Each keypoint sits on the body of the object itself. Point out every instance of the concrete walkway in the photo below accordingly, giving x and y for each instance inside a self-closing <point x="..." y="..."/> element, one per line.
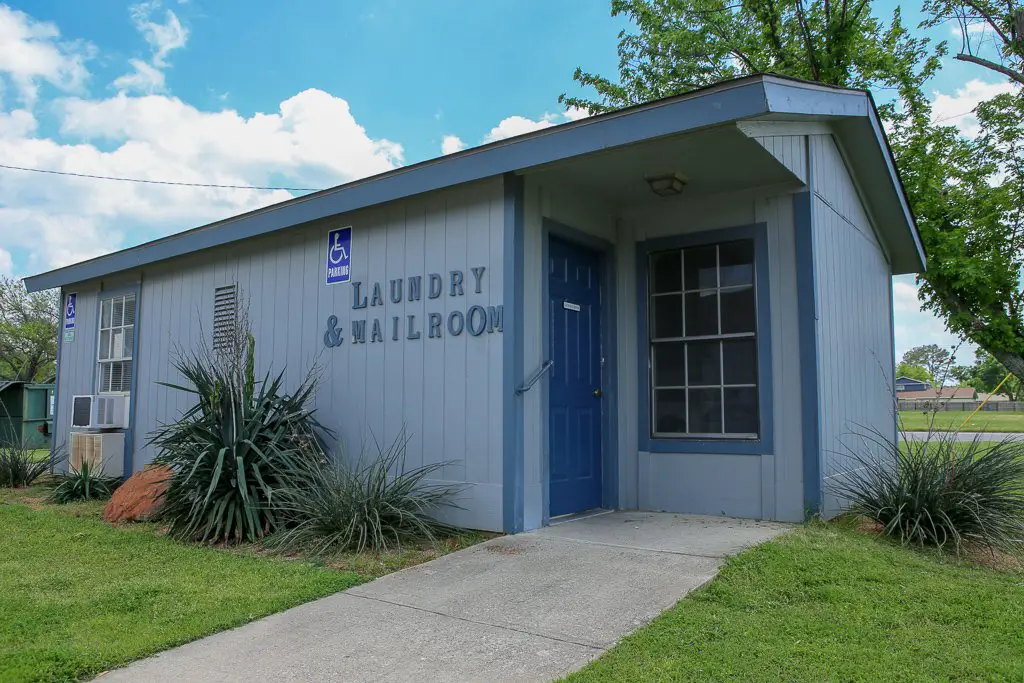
<point x="530" y="607"/>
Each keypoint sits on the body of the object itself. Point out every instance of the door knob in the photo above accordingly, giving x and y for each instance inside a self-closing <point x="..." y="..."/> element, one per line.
<point x="598" y="393"/>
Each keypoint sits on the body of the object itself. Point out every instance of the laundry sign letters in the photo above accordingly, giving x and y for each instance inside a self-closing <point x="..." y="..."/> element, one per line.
<point x="394" y="324"/>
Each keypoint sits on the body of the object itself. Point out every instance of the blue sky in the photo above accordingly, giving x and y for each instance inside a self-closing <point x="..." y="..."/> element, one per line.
<point x="261" y="93"/>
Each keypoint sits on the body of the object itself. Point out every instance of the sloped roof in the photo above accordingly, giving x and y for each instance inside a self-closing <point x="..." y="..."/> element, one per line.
<point x="961" y="393"/>
<point x="752" y="97"/>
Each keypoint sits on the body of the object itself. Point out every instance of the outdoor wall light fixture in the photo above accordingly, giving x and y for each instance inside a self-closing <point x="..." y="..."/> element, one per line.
<point x="666" y="184"/>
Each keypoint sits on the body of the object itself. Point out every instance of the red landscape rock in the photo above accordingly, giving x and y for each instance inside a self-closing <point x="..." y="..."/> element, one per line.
<point x="139" y="497"/>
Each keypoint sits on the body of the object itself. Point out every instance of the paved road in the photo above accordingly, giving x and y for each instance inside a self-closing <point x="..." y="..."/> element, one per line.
<point x="530" y="607"/>
<point x="969" y="436"/>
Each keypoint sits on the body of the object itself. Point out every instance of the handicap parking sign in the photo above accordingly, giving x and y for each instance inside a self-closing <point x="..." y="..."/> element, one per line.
<point x="339" y="255"/>
<point x="70" y="304"/>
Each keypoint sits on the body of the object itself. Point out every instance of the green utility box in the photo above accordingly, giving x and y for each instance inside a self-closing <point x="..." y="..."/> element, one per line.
<point x="26" y="413"/>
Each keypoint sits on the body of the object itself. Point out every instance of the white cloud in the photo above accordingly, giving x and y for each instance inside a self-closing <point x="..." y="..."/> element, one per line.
<point x="575" y="114"/>
<point x="312" y="140"/>
<point x="162" y="38"/>
<point x="148" y="78"/>
<point x="144" y="79"/>
<point x="515" y="125"/>
<point x="451" y="144"/>
<point x="18" y="123"/>
<point x="32" y="52"/>
<point x="6" y="263"/>
<point x="915" y="327"/>
<point x="957" y="109"/>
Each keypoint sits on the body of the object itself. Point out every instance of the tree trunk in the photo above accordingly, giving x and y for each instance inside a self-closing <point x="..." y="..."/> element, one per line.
<point x="1012" y="362"/>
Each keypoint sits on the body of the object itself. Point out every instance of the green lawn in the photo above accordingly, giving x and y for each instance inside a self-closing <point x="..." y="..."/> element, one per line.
<point x="918" y="421"/>
<point x="825" y="603"/>
<point x="78" y="597"/>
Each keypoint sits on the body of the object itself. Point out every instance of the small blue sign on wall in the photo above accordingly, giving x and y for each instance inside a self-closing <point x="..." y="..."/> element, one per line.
<point x="70" y="310"/>
<point x="339" y="255"/>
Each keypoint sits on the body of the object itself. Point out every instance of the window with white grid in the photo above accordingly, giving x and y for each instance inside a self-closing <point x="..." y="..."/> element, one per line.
<point x="703" y="341"/>
<point x="117" y="339"/>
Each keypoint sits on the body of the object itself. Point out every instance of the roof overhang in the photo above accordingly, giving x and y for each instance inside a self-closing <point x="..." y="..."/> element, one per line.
<point x="852" y="111"/>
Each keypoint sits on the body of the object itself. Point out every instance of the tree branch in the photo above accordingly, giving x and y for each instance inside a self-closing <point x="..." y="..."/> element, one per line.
<point x="1005" y="70"/>
<point x="991" y="22"/>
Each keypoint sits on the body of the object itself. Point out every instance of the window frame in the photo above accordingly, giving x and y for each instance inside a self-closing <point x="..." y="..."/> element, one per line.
<point x="649" y="441"/>
<point x="111" y="296"/>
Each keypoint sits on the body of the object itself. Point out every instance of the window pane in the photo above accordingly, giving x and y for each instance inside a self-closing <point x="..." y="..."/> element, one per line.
<point x="104" y="350"/>
<point x="704" y="363"/>
<point x="701" y="267"/>
<point x="129" y="309"/>
<point x="670" y="411"/>
<point x="118" y="318"/>
<point x="669" y="364"/>
<point x="126" y="376"/>
<point x="705" y="411"/>
<point x="104" y="377"/>
<point x="737" y="310"/>
<point x="129" y="342"/>
<point x="668" y="316"/>
<point x="701" y="314"/>
<point x="741" y="410"/>
<point x="105" y="313"/>
<point x="736" y="263"/>
<point x="117" y="348"/>
<point x="739" y="361"/>
<point x="667" y="268"/>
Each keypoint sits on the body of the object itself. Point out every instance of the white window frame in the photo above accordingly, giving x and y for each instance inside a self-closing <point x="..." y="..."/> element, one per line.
<point x="119" y="341"/>
<point x="721" y="386"/>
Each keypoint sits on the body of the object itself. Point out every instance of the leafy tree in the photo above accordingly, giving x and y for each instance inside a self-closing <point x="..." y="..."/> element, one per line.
<point x="912" y="371"/>
<point x="932" y="357"/>
<point x="985" y="27"/>
<point x="681" y="45"/>
<point x="986" y="374"/>
<point x="28" y="332"/>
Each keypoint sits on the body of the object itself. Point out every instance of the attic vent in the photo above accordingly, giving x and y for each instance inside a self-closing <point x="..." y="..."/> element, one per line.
<point x="225" y="316"/>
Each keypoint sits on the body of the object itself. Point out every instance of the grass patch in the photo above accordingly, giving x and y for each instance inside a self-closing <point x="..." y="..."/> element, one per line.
<point x="918" y="421"/>
<point x="826" y="602"/>
<point x="79" y="596"/>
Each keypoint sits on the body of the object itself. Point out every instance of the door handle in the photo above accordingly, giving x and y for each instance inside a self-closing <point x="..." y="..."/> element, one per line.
<point x="598" y="393"/>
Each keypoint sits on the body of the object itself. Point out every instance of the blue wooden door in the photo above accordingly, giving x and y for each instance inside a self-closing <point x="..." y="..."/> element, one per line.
<point x="574" y="305"/>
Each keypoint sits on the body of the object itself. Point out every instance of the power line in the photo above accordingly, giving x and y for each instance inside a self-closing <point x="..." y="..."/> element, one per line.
<point x="157" y="182"/>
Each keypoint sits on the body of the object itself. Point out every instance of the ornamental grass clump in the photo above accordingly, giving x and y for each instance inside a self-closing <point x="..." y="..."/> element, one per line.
<point x="235" y="448"/>
<point x="20" y="465"/>
<point x="939" y="491"/>
<point x="83" y="483"/>
<point x="374" y="504"/>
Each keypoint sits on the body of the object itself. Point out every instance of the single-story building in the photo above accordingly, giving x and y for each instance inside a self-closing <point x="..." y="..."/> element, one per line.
<point x="951" y="394"/>
<point x="911" y="384"/>
<point x="683" y="305"/>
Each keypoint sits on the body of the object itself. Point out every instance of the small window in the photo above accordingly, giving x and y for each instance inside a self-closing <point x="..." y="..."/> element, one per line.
<point x="116" y="344"/>
<point x="703" y="342"/>
<point x="225" y="317"/>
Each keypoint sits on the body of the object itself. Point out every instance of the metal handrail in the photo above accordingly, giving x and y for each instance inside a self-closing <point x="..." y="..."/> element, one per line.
<point x="528" y="384"/>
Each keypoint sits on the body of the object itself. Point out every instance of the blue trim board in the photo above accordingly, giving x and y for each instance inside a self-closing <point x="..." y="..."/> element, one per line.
<point x="762" y="264"/>
<point x="513" y="451"/>
<point x="739" y="99"/>
<point x="808" y="335"/>
<point x="609" y="346"/>
<point x="56" y="379"/>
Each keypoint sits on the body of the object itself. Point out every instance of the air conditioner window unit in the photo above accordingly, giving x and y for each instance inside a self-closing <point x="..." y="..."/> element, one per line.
<point x="103" y="452"/>
<point x="99" y="412"/>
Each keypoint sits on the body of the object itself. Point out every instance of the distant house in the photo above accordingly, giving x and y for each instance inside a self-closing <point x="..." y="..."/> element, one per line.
<point x="993" y="398"/>
<point x="952" y="394"/>
<point x="911" y="384"/>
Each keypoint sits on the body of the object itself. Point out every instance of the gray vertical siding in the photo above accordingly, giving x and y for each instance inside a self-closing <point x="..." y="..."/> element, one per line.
<point x="445" y="392"/>
<point x="77" y="358"/>
<point x="854" y="317"/>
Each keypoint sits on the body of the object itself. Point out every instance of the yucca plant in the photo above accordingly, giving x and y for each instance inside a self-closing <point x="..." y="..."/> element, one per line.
<point x="233" y="449"/>
<point x="85" y="483"/>
<point x="373" y="504"/>
<point x="939" y="491"/>
<point x="21" y="466"/>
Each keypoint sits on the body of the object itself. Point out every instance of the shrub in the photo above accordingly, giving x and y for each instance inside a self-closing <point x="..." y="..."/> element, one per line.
<point x="374" y="504"/>
<point x="83" y="484"/>
<point x="940" y="491"/>
<point x="21" y="466"/>
<point x="232" y="450"/>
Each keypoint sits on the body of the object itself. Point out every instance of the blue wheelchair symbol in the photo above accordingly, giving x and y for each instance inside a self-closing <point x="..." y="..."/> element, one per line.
<point x="69" y="311"/>
<point x="339" y="255"/>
